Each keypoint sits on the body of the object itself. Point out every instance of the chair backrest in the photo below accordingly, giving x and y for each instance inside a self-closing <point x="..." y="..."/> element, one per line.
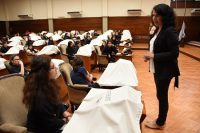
<point x="24" y="57"/>
<point x="63" y="48"/>
<point x="98" y="50"/>
<point x="12" y="109"/>
<point x="8" y="66"/>
<point x="65" y="70"/>
<point x="101" y="59"/>
<point x="76" y="92"/>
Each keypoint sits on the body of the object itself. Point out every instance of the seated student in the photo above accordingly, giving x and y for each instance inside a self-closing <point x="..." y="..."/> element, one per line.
<point x="50" y="41"/>
<point x="71" y="50"/>
<point x="46" y="113"/>
<point x="43" y="36"/>
<point x="115" y="41"/>
<point x="95" y="33"/>
<point x="67" y="36"/>
<point x="80" y="75"/>
<point x="118" y="35"/>
<point x="77" y="45"/>
<point x="87" y="38"/>
<point x="110" y="50"/>
<point x="30" y="50"/>
<point x="16" y="65"/>
<point x="29" y="41"/>
<point x="4" y="48"/>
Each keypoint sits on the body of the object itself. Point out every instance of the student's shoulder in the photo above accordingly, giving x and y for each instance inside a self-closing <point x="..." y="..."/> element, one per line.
<point x="82" y="69"/>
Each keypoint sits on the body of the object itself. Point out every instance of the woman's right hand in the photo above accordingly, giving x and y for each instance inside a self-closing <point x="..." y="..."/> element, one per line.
<point x="148" y="56"/>
<point x="145" y="59"/>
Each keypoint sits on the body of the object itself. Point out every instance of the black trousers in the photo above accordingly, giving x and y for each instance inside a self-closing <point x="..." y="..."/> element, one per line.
<point x="162" y="87"/>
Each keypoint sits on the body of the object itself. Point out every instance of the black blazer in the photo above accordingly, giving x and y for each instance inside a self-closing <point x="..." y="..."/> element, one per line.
<point x="46" y="119"/>
<point x="166" y="51"/>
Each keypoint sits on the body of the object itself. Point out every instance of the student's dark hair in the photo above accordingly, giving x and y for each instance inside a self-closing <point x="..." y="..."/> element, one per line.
<point x="76" y="63"/>
<point x="30" y="43"/>
<point x="39" y="87"/>
<point x="13" y="56"/>
<point x="70" y="43"/>
<point x="78" y="37"/>
<point x="109" y="41"/>
<point x="4" y="40"/>
<point x="77" y="42"/>
<point x="167" y="14"/>
<point x="113" y="37"/>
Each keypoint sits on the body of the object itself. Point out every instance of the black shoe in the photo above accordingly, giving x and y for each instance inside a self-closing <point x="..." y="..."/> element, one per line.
<point x="94" y="79"/>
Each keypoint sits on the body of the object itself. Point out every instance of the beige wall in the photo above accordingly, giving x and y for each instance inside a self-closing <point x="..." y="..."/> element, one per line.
<point x="181" y="11"/>
<point x="120" y="7"/>
<point x="39" y="9"/>
<point x="88" y="8"/>
<point x="35" y="8"/>
<point x="14" y="8"/>
<point x="48" y="9"/>
<point x="61" y="7"/>
<point x="147" y="5"/>
<point x="92" y="8"/>
<point x="2" y="11"/>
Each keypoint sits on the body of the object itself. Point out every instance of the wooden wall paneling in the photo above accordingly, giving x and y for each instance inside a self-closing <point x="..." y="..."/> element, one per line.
<point x="30" y="25"/>
<point x="189" y="4"/>
<point x="138" y="26"/>
<point x="192" y="27"/>
<point x="3" y="72"/>
<point x="80" y="24"/>
<point x="2" y="28"/>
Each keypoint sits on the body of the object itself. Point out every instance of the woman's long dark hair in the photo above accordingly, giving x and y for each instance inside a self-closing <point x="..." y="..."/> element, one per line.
<point x="39" y="87"/>
<point x="76" y="63"/>
<point x="167" y="14"/>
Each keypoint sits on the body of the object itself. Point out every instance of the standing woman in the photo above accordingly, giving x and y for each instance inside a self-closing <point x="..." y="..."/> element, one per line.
<point x="163" y="54"/>
<point x="46" y="113"/>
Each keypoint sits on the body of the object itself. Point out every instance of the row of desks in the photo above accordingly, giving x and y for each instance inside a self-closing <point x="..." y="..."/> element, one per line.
<point x="91" y="62"/>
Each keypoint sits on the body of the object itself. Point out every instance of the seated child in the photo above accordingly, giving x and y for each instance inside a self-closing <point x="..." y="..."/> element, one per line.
<point x="30" y="50"/>
<point x="110" y="50"/>
<point x="80" y="75"/>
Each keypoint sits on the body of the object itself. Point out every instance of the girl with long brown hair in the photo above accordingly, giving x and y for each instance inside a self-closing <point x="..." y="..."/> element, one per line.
<point x="46" y="113"/>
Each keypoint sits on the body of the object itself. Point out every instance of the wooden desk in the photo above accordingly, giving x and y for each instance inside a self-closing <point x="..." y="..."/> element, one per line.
<point x="7" y="56"/>
<point x="120" y="48"/>
<point x="39" y="47"/>
<point x="127" y="57"/>
<point x="3" y="72"/>
<point x="56" y="56"/>
<point x="90" y="62"/>
<point x="100" y="99"/>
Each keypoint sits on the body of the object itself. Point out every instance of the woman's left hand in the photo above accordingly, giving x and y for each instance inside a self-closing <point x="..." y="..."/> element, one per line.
<point x="148" y="56"/>
<point x="67" y="115"/>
